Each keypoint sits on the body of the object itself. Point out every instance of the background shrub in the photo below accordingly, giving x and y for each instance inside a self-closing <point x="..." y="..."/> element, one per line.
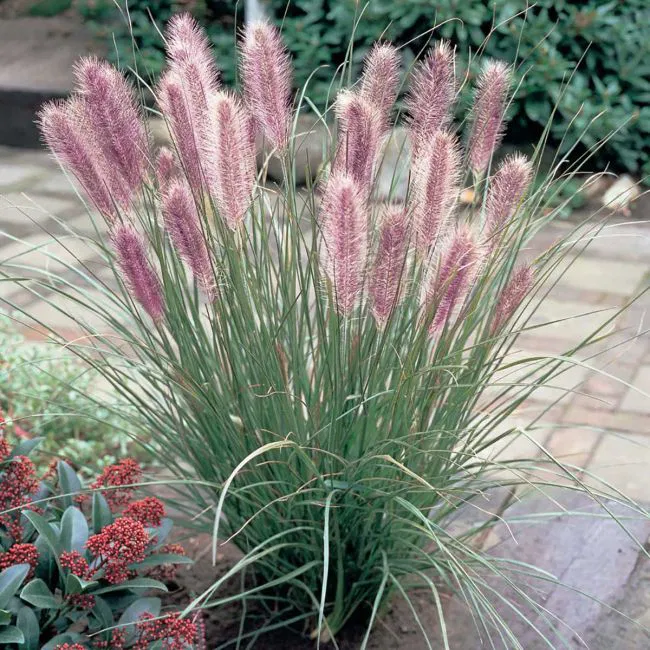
<point x="614" y="76"/>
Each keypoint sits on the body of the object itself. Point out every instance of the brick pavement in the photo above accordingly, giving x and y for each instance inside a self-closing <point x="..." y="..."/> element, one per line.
<point x="603" y="422"/>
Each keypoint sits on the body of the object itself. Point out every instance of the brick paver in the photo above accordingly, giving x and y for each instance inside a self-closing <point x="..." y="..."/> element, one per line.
<point x="604" y="422"/>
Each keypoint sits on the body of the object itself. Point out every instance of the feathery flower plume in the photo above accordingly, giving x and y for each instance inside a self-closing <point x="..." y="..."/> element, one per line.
<point x="505" y="193"/>
<point x="451" y="276"/>
<point x="435" y="186"/>
<point x="182" y="223"/>
<point x="344" y="228"/>
<point x="512" y="296"/>
<point x="62" y="130"/>
<point x="230" y="156"/>
<point x="188" y="139"/>
<point x="432" y="93"/>
<point x="380" y="79"/>
<point x="165" y="166"/>
<point x="266" y="76"/>
<point x="139" y="275"/>
<point x="487" y="114"/>
<point x="115" y="125"/>
<point x="190" y="56"/>
<point x="360" y="131"/>
<point x="386" y="273"/>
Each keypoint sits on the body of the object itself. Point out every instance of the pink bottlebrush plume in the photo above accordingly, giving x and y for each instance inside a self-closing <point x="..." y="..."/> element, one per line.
<point x="386" y="272"/>
<point x="266" y="76"/>
<point x="139" y="276"/>
<point x="188" y="137"/>
<point x="360" y="136"/>
<point x="434" y="188"/>
<point x="192" y="62"/>
<point x="114" y="122"/>
<point x="432" y="93"/>
<point x="506" y="191"/>
<point x="61" y="124"/>
<point x="184" y="227"/>
<point x="165" y="166"/>
<point x="380" y="79"/>
<point x="344" y="229"/>
<point x="487" y="114"/>
<point x="512" y="296"/>
<point x="230" y="156"/>
<point x="451" y="275"/>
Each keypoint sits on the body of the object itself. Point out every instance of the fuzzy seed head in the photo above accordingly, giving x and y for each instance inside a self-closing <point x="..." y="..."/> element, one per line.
<point x="386" y="272"/>
<point x="512" y="295"/>
<point x="506" y="191"/>
<point x="138" y="274"/>
<point x="380" y="79"/>
<point x="435" y="185"/>
<point x="182" y="222"/>
<point x="230" y="152"/>
<point x="62" y="126"/>
<point x="451" y="275"/>
<point x="189" y="137"/>
<point x="432" y="93"/>
<point x="360" y="136"/>
<point x="266" y="76"/>
<point x="115" y="125"/>
<point x="165" y="166"/>
<point x="488" y="114"/>
<point x="344" y="249"/>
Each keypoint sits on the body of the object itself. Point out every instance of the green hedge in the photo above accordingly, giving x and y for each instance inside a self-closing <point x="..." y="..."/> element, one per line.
<point x="611" y="38"/>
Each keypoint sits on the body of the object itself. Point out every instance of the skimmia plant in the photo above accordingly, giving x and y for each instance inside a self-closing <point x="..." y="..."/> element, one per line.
<point x="326" y="374"/>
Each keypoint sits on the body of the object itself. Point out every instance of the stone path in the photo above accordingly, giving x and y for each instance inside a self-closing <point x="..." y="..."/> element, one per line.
<point x="604" y="423"/>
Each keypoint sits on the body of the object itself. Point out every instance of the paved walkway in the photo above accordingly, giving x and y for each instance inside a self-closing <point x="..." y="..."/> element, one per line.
<point x="605" y="423"/>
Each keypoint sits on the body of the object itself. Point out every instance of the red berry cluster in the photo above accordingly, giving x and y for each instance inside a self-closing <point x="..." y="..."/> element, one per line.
<point x="117" y="641"/>
<point x="5" y="449"/>
<point x="77" y="564"/>
<point x="166" y="572"/>
<point x="69" y="646"/>
<point x="149" y="511"/>
<point x="20" y="554"/>
<point x="122" y="475"/>
<point x="123" y="542"/>
<point x="18" y="484"/>
<point x="176" y="633"/>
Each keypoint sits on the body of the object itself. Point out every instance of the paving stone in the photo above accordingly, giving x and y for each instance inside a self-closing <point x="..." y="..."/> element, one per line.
<point x="634" y="400"/>
<point x="14" y="176"/>
<point x="623" y="461"/>
<point x="18" y="211"/>
<point x="573" y="445"/>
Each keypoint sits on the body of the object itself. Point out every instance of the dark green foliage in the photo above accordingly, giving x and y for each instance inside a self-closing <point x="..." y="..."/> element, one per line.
<point x="47" y="8"/>
<point x="611" y="83"/>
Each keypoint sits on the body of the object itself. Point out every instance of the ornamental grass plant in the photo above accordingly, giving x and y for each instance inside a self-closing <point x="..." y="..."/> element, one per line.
<point x="327" y="374"/>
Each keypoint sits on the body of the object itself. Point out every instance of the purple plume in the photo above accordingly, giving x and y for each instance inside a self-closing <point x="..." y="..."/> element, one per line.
<point x="344" y="228"/>
<point x="386" y="272"/>
<point x="188" y="137"/>
<point x="360" y="136"/>
<point x="62" y="126"/>
<point x="487" y="114"/>
<point x="266" y="76"/>
<point x="507" y="189"/>
<point x="451" y="275"/>
<point x="230" y="156"/>
<point x="380" y="79"/>
<point x="115" y="126"/>
<point x="182" y="223"/>
<point x="434" y="188"/>
<point x="138" y="274"/>
<point x="432" y="93"/>
<point x="512" y="296"/>
<point x="165" y="166"/>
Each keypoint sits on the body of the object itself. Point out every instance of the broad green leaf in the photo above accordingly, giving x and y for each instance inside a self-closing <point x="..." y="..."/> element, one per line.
<point x="69" y="482"/>
<point x="136" y="583"/>
<point x="101" y="515"/>
<point x="10" y="580"/>
<point x="156" y="559"/>
<point x="60" y="639"/>
<point x="25" y="447"/>
<point x="74" y="530"/>
<point x="103" y="612"/>
<point x="11" y="634"/>
<point x="37" y="593"/>
<point x="5" y="617"/>
<point x="47" y="532"/>
<point x="76" y="585"/>
<point x="28" y="624"/>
